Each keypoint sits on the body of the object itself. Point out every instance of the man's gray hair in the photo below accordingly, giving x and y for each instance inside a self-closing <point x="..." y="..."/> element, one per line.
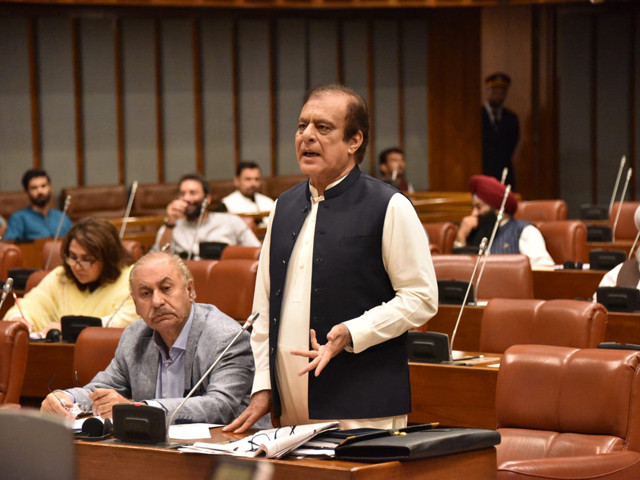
<point x="185" y="273"/>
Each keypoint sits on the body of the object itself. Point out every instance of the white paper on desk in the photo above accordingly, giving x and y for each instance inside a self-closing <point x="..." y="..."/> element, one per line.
<point x="272" y="443"/>
<point x="191" y="431"/>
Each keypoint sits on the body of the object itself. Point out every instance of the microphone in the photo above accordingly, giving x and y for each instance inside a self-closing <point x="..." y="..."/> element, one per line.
<point x="615" y="187"/>
<point x="67" y="202"/>
<point x="203" y="208"/>
<point x="134" y="188"/>
<point x="493" y="235"/>
<point x="247" y="324"/>
<point x="483" y="245"/>
<point x="394" y="175"/>
<point x="624" y="192"/>
<point x="116" y="310"/>
<point x="505" y="171"/>
<point x="6" y="290"/>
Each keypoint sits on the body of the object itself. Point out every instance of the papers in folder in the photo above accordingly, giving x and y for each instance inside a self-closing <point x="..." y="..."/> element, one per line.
<point x="272" y="443"/>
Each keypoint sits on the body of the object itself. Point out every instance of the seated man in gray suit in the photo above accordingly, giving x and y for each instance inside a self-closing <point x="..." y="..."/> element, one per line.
<point x="163" y="355"/>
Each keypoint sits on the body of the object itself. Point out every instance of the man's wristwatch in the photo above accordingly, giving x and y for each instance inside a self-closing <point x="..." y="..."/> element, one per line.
<point x="167" y="224"/>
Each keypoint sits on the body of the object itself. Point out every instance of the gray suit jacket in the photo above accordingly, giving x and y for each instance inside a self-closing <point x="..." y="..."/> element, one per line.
<point x="220" y="398"/>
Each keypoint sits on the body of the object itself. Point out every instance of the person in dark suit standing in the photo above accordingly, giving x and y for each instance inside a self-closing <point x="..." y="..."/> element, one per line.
<point x="500" y="130"/>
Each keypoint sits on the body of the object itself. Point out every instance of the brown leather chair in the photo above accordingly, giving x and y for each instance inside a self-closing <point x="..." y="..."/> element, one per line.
<point x="35" y="278"/>
<point x="107" y="201"/>
<point x="95" y="348"/>
<point x="568" y="323"/>
<point x="201" y="271"/>
<point x="12" y="201"/>
<point x="10" y="257"/>
<point x="219" y="190"/>
<point x="565" y="240"/>
<point x="14" y="348"/>
<point x="441" y="235"/>
<point x="565" y="413"/>
<point x="273" y="186"/>
<point x="234" y="252"/>
<point x="626" y="227"/>
<point x="505" y="276"/>
<point x="535" y="211"/>
<point x="230" y="287"/>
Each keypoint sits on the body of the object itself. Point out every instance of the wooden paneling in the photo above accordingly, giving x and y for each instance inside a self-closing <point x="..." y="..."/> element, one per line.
<point x="454" y="98"/>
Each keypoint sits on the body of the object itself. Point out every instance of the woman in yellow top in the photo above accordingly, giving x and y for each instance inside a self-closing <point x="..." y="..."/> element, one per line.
<point x="93" y="281"/>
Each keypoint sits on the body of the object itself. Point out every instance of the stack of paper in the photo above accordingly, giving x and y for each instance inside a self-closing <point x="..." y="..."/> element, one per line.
<point x="272" y="443"/>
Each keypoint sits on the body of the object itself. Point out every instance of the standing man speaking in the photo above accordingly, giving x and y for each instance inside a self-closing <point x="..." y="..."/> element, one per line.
<point x="345" y="271"/>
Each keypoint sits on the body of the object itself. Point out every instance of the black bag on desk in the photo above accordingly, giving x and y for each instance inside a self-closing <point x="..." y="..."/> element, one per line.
<point x="412" y="443"/>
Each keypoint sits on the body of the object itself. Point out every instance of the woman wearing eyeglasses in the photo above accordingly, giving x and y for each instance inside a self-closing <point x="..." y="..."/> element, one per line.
<point x="93" y="281"/>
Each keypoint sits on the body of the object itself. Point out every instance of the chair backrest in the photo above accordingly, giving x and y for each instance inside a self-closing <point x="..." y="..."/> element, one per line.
<point x="56" y="256"/>
<point x="201" y="271"/>
<point x="220" y="189"/>
<point x="565" y="240"/>
<point x="441" y="235"/>
<point x="542" y="210"/>
<point x="39" y="446"/>
<point x="505" y="276"/>
<point x="234" y="252"/>
<point x="558" y="401"/>
<point x="108" y="201"/>
<point x="568" y="323"/>
<point x="14" y="348"/>
<point x="12" y="201"/>
<point x="273" y="186"/>
<point x="153" y="198"/>
<point x="35" y="278"/>
<point x="626" y="227"/>
<point x="94" y="350"/>
<point x="230" y="287"/>
<point x="10" y="257"/>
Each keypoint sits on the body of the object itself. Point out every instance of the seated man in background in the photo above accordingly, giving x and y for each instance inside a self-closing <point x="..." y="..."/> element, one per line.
<point x="3" y="226"/>
<point x="181" y="229"/>
<point x="163" y="355"/>
<point x="247" y="197"/>
<point x="38" y="220"/>
<point x="393" y="168"/>
<point x="513" y="236"/>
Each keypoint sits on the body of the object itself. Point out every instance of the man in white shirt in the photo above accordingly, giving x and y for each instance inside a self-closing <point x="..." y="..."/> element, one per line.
<point x="181" y="229"/>
<point x="345" y="269"/>
<point x="513" y="236"/>
<point x="247" y="198"/>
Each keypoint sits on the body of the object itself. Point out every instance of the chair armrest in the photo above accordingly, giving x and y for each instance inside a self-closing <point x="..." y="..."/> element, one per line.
<point x="609" y="466"/>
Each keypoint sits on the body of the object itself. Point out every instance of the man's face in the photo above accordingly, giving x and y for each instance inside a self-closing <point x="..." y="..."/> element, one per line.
<point x="248" y="182"/>
<point x="479" y="208"/>
<point x="39" y="191"/>
<point x="496" y="96"/>
<point x="162" y="299"/>
<point x="395" y="161"/>
<point x="191" y="191"/>
<point x="322" y="153"/>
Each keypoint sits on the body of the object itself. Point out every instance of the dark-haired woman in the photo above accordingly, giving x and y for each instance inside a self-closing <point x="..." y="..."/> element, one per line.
<point x="93" y="281"/>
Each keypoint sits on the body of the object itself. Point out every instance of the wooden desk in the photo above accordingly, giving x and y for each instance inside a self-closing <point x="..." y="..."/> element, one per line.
<point x="453" y="395"/>
<point x="48" y="362"/>
<point x="623" y="328"/>
<point x="550" y="284"/>
<point x="107" y="461"/>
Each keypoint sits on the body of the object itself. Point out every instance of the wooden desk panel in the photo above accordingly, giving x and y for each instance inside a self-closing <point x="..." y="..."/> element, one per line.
<point x="550" y="284"/>
<point x="107" y="461"/>
<point x="468" y="335"/>
<point x="453" y="396"/>
<point x="623" y="328"/>
<point x="48" y="361"/>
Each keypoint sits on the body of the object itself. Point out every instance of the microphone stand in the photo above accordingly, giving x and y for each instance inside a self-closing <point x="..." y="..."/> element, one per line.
<point x="493" y="236"/>
<point x="247" y="324"/>
<point x="134" y="188"/>
<point x="483" y="245"/>
<point x="6" y="289"/>
<point x="624" y="192"/>
<point x="67" y="202"/>
<point x="615" y="187"/>
<point x="116" y="311"/>
<point x="505" y="170"/>
<point x="203" y="208"/>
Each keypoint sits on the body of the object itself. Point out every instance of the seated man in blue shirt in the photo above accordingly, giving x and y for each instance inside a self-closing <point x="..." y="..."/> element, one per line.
<point x="162" y="356"/>
<point x="38" y="220"/>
